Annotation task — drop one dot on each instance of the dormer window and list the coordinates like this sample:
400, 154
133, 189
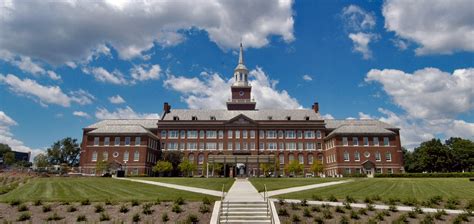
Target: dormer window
175, 118
288, 118
213, 118
194, 118
306, 118
270, 118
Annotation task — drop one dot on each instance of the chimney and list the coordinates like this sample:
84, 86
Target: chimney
315, 107
166, 107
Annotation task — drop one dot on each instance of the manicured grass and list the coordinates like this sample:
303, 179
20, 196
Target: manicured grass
206, 183
280, 183
94, 189
397, 188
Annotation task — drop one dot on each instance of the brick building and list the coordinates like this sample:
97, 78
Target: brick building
242, 137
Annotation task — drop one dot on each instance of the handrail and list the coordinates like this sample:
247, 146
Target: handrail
220, 208
265, 198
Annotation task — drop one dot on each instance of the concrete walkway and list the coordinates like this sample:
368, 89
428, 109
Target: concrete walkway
306, 187
178, 187
363, 205
243, 191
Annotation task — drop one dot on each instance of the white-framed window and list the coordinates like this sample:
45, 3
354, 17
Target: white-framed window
202, 146
138, 141
301, 158
220, 134
299, 146
173, 134
229, 134
358, 170
96, 141
252, 146
211, 146
344, 141
309, 134
182, 146
220, 146
290, 146
200, 159
237, 134
280, 134
127, 141
389, 170
299, 134
318, 134
291, 157
346, 156
105, 156
355, 141
272, 146
261, 146
163, 134
252, 133
107, 141
172, 146
376, 141
386, 141
94, 156
356, 156
192, 146
347, 170
281, 158
378, 170
125, 156
261, 134
202, 134
182, 134
388, 156
309, 146
244, 146
366, 141
191, 158
211, 134
136, 156
237, 146
290, 134
244, 134
310, 159
271, 134
229, 146
377, 156
319, 146
192, 134
281, 146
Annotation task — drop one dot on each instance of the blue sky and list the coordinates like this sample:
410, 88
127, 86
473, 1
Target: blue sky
394, 61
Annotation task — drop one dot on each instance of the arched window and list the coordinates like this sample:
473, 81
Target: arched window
282, 158
346, 156
94, 156
291, 157
191, 158
301, 158
321, 158
125, 156
240, 76
245, 77
318, 134
136, 156
310, 159
105, 156
201, 159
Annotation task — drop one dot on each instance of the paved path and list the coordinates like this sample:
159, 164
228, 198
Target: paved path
179, 187
306, 187
363, 205
243, 191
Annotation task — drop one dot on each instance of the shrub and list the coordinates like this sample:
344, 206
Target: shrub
347, 206
204, 209
327, 214
344, 220
354, 215
380, 216
376, 197
470, 205
307, 212
206, 201
295, 218
85, 202
282, 212
37, 202
339, 209
99, 208
392, 201
401, 219
372, 221
294, 206
165, 217
15, 202
23, 217
465, 174
363, 211
64, 202
136, 218
22, 208
464, 217
71, 209
418, 210
135, 203
179, 201
428, 219
147, 210
304, 203
176, 208
316, 197
439, 214
107, 202
81, 218
436, 200
410, 202
46, 208
370, 207
452, 203
123, 209
157, 201
54, 217
315, 208
104, 217
281, 201
350, 199
192, 218
412, 214
318, 220
332, 198
393, 208
368, 200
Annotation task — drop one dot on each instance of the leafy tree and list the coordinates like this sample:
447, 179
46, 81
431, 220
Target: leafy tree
175, 158
317, 167
102, 166
41, 161
294, 167
163, 167
187, 167
9, 158
64, 151
217, 168
4, 148
265, 167
276, 166
463, 153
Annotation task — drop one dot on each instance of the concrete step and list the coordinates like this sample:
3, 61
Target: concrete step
224, 213
245, 221
245, 217
245, 209
244, 205
245, 202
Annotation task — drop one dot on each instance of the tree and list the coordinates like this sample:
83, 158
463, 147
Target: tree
64, 151
265, 167
41, 161
463, 153
9, 158
187, 167
317, 167
4, 148
294, 167
102, 166
217, 167
175, 158
163, 167
276, 167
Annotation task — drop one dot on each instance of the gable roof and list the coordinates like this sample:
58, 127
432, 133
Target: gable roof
275, 114
146, 123
364, 126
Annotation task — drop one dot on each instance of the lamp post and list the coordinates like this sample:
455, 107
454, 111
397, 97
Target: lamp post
125, 174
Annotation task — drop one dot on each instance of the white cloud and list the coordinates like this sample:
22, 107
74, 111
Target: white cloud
27, 65
356, 18
361, 43
81, 114
45, 94
438, 26
71, 31
102, 75
53, 75
327, 116
116, 99
140, 72
364, 116
123, 113
307, 78
211, 91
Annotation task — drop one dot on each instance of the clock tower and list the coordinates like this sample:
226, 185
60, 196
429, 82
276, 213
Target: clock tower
241, 90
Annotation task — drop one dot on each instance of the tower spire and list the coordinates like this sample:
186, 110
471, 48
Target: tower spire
241, 55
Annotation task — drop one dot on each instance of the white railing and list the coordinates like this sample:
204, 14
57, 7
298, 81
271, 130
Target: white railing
220, 208
267, 201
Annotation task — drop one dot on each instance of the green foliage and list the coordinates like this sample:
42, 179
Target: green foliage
317, 167
9, 158
65, 151
15, 202
327, 214
187, 167
46, 208
338, 209
176, 208
332, 198
355, 215
22, 208
304, 203
281, 201
204, 209
294, 167
175, 158
123, 209
179, 201
104, 217
54, 217
295, 218
370, 207
85, 202
428, 219
307, 212
393, 208
282, 212
81, 218
266, 167
347, 206
163, 167
363, 211
318, 220
350, 199
294, 206
135, 203
412, 214
165, 217
147, 210
136, 218
470, 205
401, 219
23, 217
99, 208
424, 175
315, 208
41, 160
102, 166
316, 197
71, 209
192, 218
206, 201
37, 202
344, 220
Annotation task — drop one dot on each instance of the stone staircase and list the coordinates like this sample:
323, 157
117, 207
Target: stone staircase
244, 212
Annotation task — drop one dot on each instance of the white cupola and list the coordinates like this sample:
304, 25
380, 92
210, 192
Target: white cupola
240, 72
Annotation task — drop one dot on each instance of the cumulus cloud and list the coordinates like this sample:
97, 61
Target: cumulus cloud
438, 26
45, 94
361, 43
359, 23
61, 32
116, 99
26, 65
212, 91
81, 114
307, 78
123, 113
6, 137
102, 75
145, 72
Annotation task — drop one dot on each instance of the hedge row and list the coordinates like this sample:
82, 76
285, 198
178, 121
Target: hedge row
467, 174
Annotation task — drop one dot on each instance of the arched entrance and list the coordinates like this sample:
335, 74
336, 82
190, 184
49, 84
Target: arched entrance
369, 168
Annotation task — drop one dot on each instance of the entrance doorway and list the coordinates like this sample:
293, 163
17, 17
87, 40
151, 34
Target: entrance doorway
241, 170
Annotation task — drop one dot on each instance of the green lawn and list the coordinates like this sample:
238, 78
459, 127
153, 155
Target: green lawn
207, 183
400, 188
280, 183
94, 189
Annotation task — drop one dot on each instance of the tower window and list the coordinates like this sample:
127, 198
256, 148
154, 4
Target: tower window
194, 118
306, 118
213, 118
270, 118
288, 118
176, 118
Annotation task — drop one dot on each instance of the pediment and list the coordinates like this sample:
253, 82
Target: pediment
241, 120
